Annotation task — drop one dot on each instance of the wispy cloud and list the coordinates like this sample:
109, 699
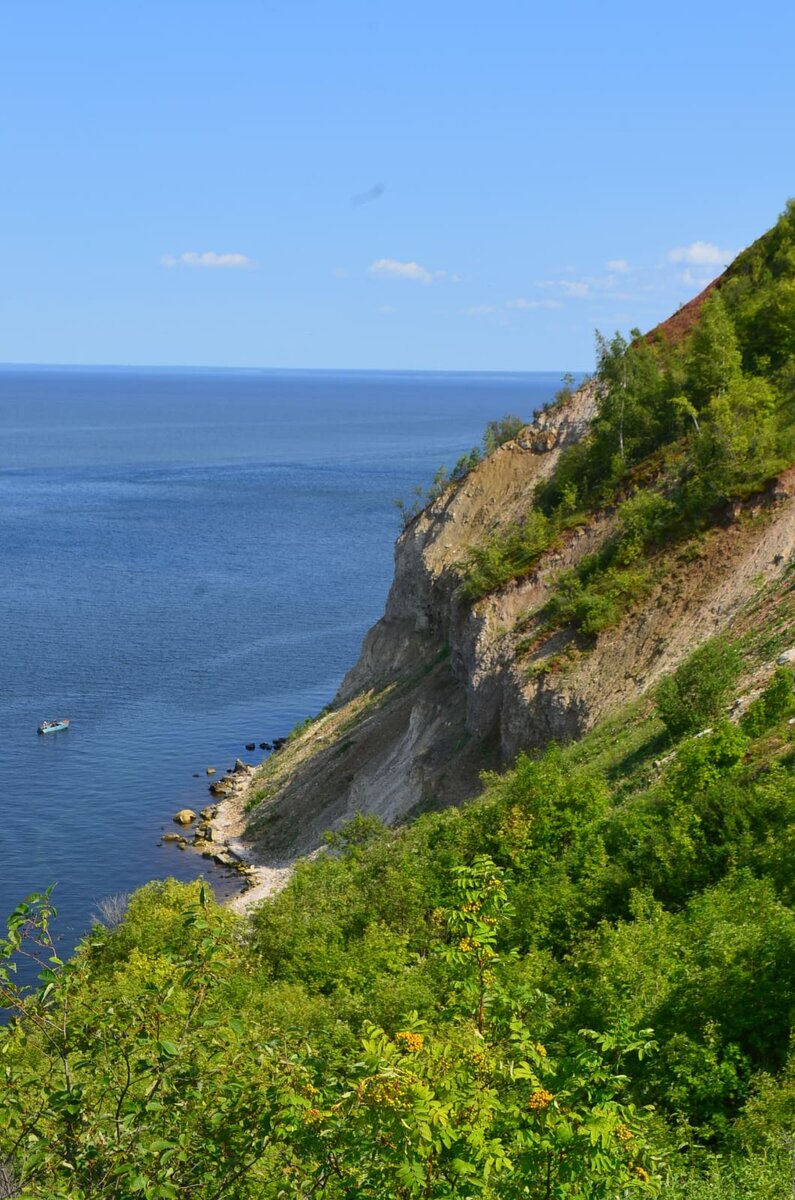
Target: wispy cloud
523, 302
701, 254
696, 281
576, 288
390, 268
644, 285
206, 259
480, 310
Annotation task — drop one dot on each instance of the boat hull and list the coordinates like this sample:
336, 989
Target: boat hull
53, 726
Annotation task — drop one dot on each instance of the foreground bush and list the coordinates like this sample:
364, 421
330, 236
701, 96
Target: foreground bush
141, 1081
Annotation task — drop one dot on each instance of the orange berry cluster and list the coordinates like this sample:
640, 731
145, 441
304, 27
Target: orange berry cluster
540, 1099
412, 1042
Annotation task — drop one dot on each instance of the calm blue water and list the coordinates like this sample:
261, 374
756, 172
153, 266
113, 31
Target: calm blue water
189, 562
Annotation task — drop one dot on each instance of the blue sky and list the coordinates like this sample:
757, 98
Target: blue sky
463, 186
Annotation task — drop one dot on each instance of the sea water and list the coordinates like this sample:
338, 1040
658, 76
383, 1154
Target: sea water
190, 559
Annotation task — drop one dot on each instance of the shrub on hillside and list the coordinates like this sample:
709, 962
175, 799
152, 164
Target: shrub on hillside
697, 691
775, 702
500, 431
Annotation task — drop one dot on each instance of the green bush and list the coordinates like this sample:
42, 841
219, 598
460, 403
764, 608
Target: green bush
509, 555
595, 595
644, 520
775, 703
697, 691
500, 431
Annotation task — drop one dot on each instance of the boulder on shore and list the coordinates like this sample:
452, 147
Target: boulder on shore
185, 816
222, 787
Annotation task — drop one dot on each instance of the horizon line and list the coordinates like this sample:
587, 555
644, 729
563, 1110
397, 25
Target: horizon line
56, 366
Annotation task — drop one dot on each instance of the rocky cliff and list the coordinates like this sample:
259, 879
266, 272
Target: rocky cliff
444, 688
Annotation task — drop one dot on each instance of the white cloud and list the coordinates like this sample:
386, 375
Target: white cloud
701, 254
697, 281
523, 302
207, 259
390, 268
570, 287
620, 265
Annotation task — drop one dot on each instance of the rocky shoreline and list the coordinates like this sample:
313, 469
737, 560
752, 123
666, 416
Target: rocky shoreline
217, 835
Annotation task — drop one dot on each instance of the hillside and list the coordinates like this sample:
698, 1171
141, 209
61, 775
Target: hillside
466, 669
550, 950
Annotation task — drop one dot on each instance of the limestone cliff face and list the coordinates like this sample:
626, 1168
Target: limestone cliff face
421, 613
444, 689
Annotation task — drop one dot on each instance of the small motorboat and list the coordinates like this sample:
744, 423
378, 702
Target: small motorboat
54, 726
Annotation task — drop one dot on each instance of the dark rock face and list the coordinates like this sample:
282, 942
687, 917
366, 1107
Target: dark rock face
251, 745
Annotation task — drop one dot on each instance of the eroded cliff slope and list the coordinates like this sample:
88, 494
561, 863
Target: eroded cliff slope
448, 685
444, 689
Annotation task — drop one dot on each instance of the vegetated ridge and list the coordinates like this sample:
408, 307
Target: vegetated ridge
468, 666
576, 986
